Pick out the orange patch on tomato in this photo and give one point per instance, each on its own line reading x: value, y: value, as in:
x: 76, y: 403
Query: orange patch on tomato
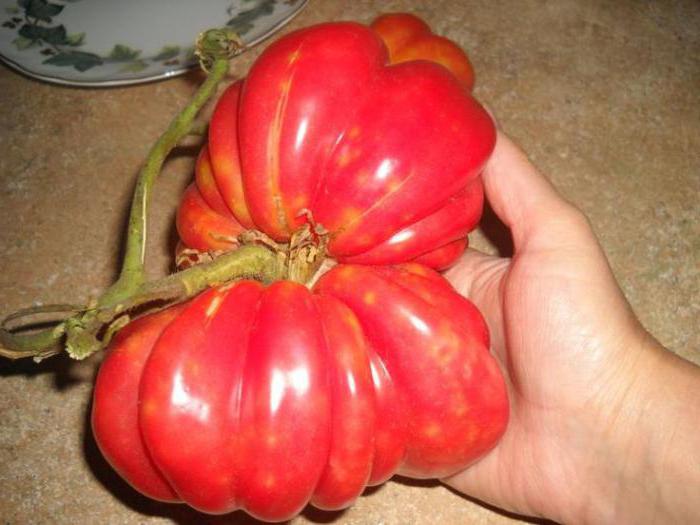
x: 225, y: 479
x: 351, y: 320
x: 461, y: 409
x: 344, y: 273
x: 148, y: 408
x: 432, y: 430
x: 268, y: 480
x: 369, y: 297
x: 294, y: 56
x: 271, y: 440
x: 299, y: 202
x: 286, y: 85
x: 366, y: 239
x: 222, y: 163
x: 347, y: 155
x: 350, y: 215
x: 395, y: 184
x: 194, y: 368
x: 443, y: 354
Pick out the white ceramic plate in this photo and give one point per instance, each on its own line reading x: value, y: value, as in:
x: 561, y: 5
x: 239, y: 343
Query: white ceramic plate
x: 111, y: 43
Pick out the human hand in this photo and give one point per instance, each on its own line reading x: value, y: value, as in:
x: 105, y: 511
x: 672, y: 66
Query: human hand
x: 596, y: 402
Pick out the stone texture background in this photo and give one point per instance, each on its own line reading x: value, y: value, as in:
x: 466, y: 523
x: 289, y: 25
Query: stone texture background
x: 604, y: 96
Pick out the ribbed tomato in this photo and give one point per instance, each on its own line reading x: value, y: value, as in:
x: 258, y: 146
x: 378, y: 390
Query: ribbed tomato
x: 269, y: 398
x: 409, y: 38
x: 386, y: 157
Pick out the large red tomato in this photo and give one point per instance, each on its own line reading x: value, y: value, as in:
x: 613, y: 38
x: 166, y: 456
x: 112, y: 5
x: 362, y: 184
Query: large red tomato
x: 268, y: 398
x: 386, y: 157
x: 407, y: 37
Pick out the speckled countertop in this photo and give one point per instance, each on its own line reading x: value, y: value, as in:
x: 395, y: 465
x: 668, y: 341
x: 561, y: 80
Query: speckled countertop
x: 604, y: 96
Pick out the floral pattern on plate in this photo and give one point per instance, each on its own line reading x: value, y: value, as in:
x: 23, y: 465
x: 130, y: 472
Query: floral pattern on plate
x: 106, y: 43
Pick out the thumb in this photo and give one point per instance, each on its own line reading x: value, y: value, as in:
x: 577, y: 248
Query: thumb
x: 526, y: 201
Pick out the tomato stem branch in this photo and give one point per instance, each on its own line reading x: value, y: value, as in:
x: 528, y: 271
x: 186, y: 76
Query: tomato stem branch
x: 89, y: 328
x: 215, y: 48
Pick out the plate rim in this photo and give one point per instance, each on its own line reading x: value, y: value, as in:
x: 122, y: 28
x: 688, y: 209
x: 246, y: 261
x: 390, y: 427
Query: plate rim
x: 165, y: 75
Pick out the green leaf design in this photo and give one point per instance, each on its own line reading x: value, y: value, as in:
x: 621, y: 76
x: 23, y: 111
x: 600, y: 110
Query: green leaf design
x: 40, y: 9
x: 80, y: 60
x: 22, y: 43
x: 243, y: 21
x: 134, y: 67
x: 75, y: 39
x: 56, y: 36
x: 30, y: 32
x: 167, y: 52
x: 122, y: 53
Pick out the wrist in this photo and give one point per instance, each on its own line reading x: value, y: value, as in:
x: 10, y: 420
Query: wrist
x: 647, y: 470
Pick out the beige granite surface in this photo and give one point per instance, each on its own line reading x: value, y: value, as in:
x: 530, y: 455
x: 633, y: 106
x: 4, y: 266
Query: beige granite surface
x: 604, y: 95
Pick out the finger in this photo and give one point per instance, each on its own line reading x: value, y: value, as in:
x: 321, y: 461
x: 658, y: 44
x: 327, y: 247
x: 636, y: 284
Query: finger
x: 520, y: 195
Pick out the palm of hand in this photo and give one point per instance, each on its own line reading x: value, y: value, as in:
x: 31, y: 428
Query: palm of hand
x: 552, y: 311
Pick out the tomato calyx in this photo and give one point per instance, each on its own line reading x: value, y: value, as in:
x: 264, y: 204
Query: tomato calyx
x: 303, y: 255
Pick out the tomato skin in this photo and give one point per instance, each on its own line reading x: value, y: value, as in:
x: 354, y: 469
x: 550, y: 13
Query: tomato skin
x: 407, y: 38
x: 224, y: 153
x: 202, y: 228
x: 207, y: 185
x: 115, y: 406
x: 444, y: 380
x: 270, y: 398
x: 324, y: 122
x: 442, y: 258
x: 447, y: 228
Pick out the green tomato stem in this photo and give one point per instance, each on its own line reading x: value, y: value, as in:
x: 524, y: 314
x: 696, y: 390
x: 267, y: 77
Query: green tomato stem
x: 91, y: 327
x: 39, y: 344
x: 133, y: 272
x: 253, y: 262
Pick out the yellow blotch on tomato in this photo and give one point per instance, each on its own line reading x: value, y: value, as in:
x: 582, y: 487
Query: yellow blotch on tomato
x: 194, y: 368
x: 432, y: 430
x: 222, y: 163
x: 461, y: 409
x: 369, y: 297
x: 268, y: 480
x: 365, y: 239
x: 350, y: 215
x: 148, y: 408
x: 299, y: 202
x: 443, y: 354
x: 395, y: 184
x: 271, y: 440
x: 347, y: 155
x: 417, y: 269
x: 285, y: 85
x: 350, y: 318
x: 214, y: 306
x: 294, y: 56
x: 343, y: 274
